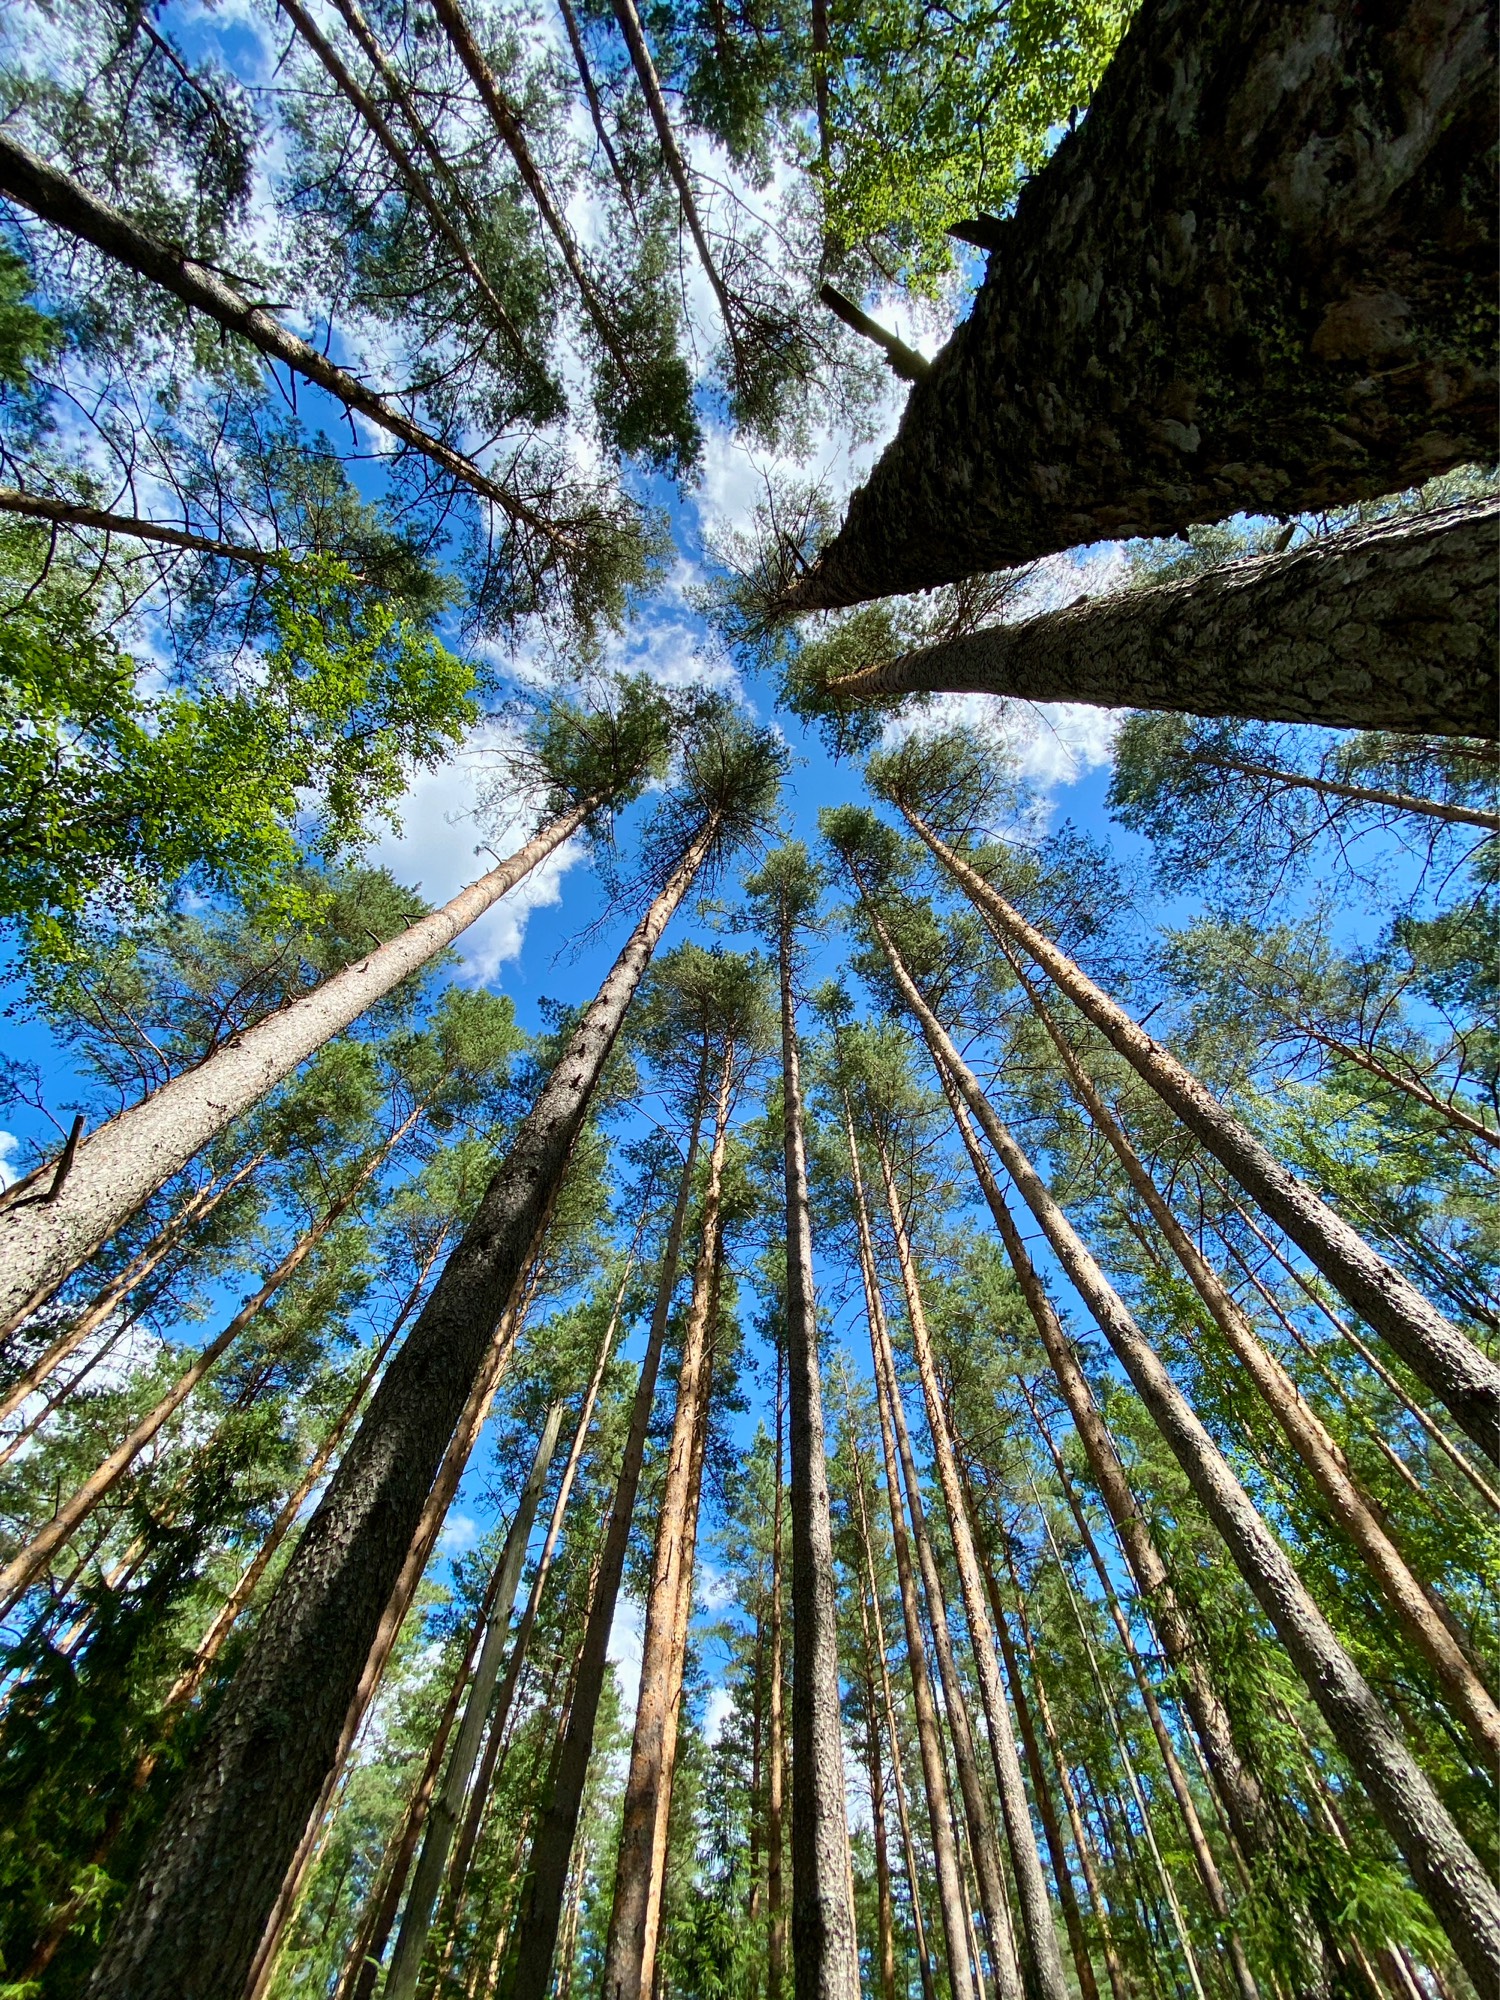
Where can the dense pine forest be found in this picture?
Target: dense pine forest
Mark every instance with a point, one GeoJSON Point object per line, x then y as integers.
{"type": "Point", "coordinates": [750, 1069]}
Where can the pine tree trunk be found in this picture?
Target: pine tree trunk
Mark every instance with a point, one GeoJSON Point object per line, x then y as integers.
{"type": "Point", "coordinates": [776, 1725]}
{"type": "Point", "coordinates": [427, 1877]}
{"type": "Point", "coordinates": [1368, 795]}
{"type": "Point", "coordinates": [540, 1912]}
{"type": "Point", "coordinates": [1350, 1506]}
{"type": "Point", "coordinates": [69, 514]}
{"type": "Point", "coordinates": [1385, 627]}
{"type": "Point", "coordinates": [630, 1958]}
{"type": "Point", "coordinates": [18, 1575]}
{"type": "Point", "coordinates": [1441, 1861]}
{"type": "Point", "coordinates": [825, 1950]}
{"type": "Point", "coordinates": [885, 1953]}
{"type": "Point", "coordinates": [68, 206]}
{"type": "Point", "coordinates": [1043, 1962]}
{"type": "Point", "coordinates": [1244, 290]}
{"type": "Point", "coordinates": [211, 1880]}
{"type": "Point", "coordinates": [929, 1743]}
{"type": "Point", "coordinates": [117, 1167]}
{"type": "Point", "coordinates": [1437, 1353]}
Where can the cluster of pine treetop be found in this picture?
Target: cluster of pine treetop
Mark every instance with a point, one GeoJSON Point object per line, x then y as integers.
{"type": "Point", "coordinates": [997, 1318]}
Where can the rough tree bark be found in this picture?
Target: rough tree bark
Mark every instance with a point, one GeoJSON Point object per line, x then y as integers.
{"type": "Point", "coordinates": [211, 1880]}
{"type": "Point", "coordinates": [1438, 1354]}
{"type": "Point", "coordinates": [825, 1950]}
{"type": "Point", "coordinates": [1259, 276]}
{"type": "Point", "coordinates": [128, 1158]}
{"type": "Point", "coordinates": [1441, 1862]}
{"type": "Point", "coordinates": [1390, 627]}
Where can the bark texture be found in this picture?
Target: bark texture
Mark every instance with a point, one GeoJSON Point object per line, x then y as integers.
{"type": "Point", "coordinates": [191, 1926]}
{"type": "Point", "coordinates": [825, 1951]}
{"type": "Point", "coordinates": [1390, 627]}
{"type": "Point", "coordinates": [1259, 275]}
{"type": "Point", "coordinates": [127, 1159]}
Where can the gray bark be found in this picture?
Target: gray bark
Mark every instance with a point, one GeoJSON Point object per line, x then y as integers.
{"type": "Point", "coordinates": [118, 1166]}
{"type": "Point", "coordinates": [1437, 1352]}
{"type": "Point", "coordinates": [191, 1927]}
{"type": "Point", "coordinates": [1442, 1864]}
{"type": "Point", "coordinates": [1390, 627]}
{"type": "Point", "coordinates": [67, 205]}
{"type": "Point", "coordinates": [72, 514]}
{"type": "Point", "coordinates": [825, 1950]}
{"type": "Point", "coordinates": [1259, 276]}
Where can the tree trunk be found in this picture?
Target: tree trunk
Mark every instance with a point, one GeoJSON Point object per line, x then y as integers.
{"type": "Point", "coordinates": [70, 514]}
{"type": "Point", "coordinates": [1368, 795]}
{"type": "Point", "coordinates": [1119, 1981]}
{"type": "Point", "coordinates": [1411, 1086]}
{"type": "Point", "coordinates": [1442, 1864]}
{"type": "Point", "coordinates": [1351, 1508]}
{"type": "Point", "coordinates": [128, 1158]}
{"type": "Point", "coordinates": [1437, 1353]}
{"type": "Point", "coordinates": [1387, 627]}
{"type": "Point", "coordinates": [929, 1743]}
{"type": "Point", "coordinates": [540, 1911]}
{"type": "Point", "coordinates": [18, 1575]}
{"type": "Point", "coordinates": [885, 1951]}
{"type": "Point", "coordinates": [1246, 290]}
{"type": "Point", "coordinates": [427, 1877]}
{"type": "Point", "coordinates": [212, 1877]}
{"type": "Point", "coordinates": [596, 108]}
{"type": "Point", "coordinates": [630, 1954]}
{"type": "Point", "coordinates": [66, 204]}
{"type": "Point", "coordinates": [1203, 1856]}
{"type": "Point", "coordinates": [825, 1950]}
{"type": "Point", "coordinates": [776, 1725]}
{"type": "Point", "coordinates": [1043, 1962]}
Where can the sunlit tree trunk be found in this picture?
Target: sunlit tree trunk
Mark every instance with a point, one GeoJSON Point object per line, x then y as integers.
{"type": "Point", "coordinates": [118, 1166]}
{"type": "Point", "coordinates": [210, 1883]}
{"type": "Point", "coordinates": [776, 1726]}
{"type": "Point", "coordinates": [1438, 1354]}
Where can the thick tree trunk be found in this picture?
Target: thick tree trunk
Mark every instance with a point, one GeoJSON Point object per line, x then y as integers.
{"type": "Point", "coordinates": [427, 1877]}
{"type": "Point", "coordinates": [1257, 277]}
{"type": "Point", "coordinates": [1438, 1354]}
{"type": "Point", "coordinates": [929, 1742]}
{"type": "Point", "coordinates": [776, 1748]}
{"type": "Point", "coordinates": [825, 1950]}
{"type": "Point", "coordinates": [1390, 627]}
{"type": "Point", "coordinates": [201, 1203]}
{"type": "Point", "coordinates": [23, 1569]}
{"type": "Point", "coordinates": [1043, 1962]}
{"type": "Point", "coordinates": [127, 1159]}
{"type": "Point", "coordinates": [67, 205]}
{"type": "Point", "coordinates": [630, 1958]}
{"type": "Point", "coordinates": [70, 514]}
{"type": "Point", "coordinates": [211, 1880]}
{"type": "Point", "coordinates": [1436, 1639]}
{"type": "Point", "coordinates": [1441, 1861]}
{"type": "Point", "coordinates": [540, 1912]}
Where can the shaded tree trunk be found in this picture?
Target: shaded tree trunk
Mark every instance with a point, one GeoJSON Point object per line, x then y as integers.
{"type": "Point", "coordinates": [825, 1950]}
{"type": "Point", "coordinates": [211, 1879]}
{"type": "Point", "coordinates": [70, 514]}
{"type": "Point", "coordinates": [1387, 627]}
{"type": "Point", "coordinates": [1246, 291]}
{"type": "Point", "coordinates": [1438, 1354]}
{"type": "Point", "coordinates": [776, 1745]}
{"type": "Point", "coordinates": [117, 1167]}
{"type": "Point", "coordinates": [596, 109]}
{"type": "Point", "coordinates": [1441, 1861]}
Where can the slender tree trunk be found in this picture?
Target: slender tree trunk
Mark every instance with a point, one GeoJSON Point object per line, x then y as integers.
{"type": "Point", "coordinates": [1208, 1868]}
{"type": "Point", "coordinates": [1438, 1354]}
{"type": "Point", "coordinates": [885, 1955]}
{"type": "Point", "coordinates": [1368, 795]}
{"type": "Point", "coordinates": [1441, 1861]}
{"type": "Point", "coordinates": [1043, 1962]}
{"type": "Point", "coordinates": [407, 170]}
{"type": "Point", "coordinates": [67, 205]}
{"type": "Point", "coordinates": [825, 1950]}
{"type": "Point", "coordinates": [629, 1958]}
{"type": "Point", "coordinates": [427, 1877]}
{"type": "Point", "coordinates": [69, 514]}
{"type": "Point", "coordinates": [757, 1767]}
{"type": "Point", "coordinates": [1119, 1980]}
{"type": "Point", "coordinates": [117, 1167]}
{"type": "Point", "coordinates": [28, 1564]}
{"type": "Point", "coordinates": [1385, 627]}
{"type": "Point", "coordinates": [211, 1880]}
{"type": "Point", "coordinates": [596, 109]}
{"type": "Point", "coordinates": [935, 1780]}
{"type": "Point", "coordinates": [1349, 1505]}
{"type": "Point", "coordinates": [1454, 1114]}
{"type": "Point", "coordinates": [776, 1747]}
{"type": "Point", "coordinates": [540, 1911]}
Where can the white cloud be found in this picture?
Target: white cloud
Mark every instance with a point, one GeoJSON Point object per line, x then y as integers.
{"type": "Point", "coordinates": [716, 1713]}
{"type": "Point", "coordinates": [10, 1145]}
{"type": "Point", "coordinates": [460, 1533]}
{"type": "Point", "coordinates": [626, 1636]}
